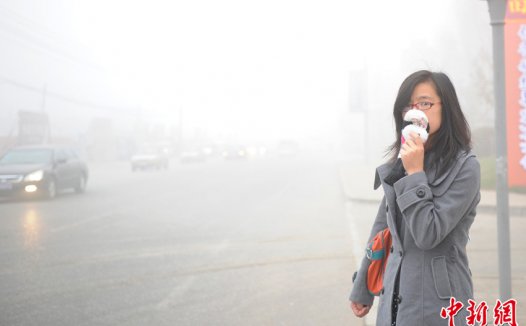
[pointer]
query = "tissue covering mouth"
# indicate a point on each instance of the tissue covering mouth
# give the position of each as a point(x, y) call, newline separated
point(417, 118)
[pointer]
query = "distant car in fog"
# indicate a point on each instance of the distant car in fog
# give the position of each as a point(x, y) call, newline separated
point(149, 158)
point(287, 148)
point(192, 155)
point(42, 171)
point(235, 152)
point(256, 151)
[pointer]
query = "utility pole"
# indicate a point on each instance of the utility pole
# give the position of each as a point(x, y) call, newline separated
point(44, 93)
point(181, 128)
point(47, 135)
point(497, 12)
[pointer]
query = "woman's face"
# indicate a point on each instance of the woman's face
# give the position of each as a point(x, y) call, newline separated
point(425, 94)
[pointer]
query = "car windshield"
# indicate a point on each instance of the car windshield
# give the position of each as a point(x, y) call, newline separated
point(27, 156)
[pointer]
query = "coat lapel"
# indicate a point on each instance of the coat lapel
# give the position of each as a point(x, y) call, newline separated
point(442, 183)
point(381, 172)
point(438, 187)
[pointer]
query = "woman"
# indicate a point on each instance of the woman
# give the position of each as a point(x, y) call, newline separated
point(429, 211)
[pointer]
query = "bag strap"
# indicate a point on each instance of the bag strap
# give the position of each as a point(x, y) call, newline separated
point(376, 254)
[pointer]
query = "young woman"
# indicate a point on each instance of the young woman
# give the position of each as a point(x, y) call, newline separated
point(429, 211)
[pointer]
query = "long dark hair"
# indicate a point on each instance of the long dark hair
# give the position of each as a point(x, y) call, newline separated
point(454, 134)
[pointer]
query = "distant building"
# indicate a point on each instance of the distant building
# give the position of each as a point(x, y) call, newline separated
point(33, 128)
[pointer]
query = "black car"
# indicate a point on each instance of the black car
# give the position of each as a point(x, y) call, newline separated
point(41, 170)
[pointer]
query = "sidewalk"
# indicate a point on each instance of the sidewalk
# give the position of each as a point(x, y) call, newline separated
point(357, 184)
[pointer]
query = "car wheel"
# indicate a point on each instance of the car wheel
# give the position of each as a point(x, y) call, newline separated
point(51, 189)
point(81, 185)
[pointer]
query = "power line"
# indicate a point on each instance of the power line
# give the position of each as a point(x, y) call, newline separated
point(65, 98)
point(35, 26)
point(41, 37)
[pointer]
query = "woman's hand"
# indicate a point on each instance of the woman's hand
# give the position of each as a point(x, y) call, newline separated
point(359, 309)
point(412, 154)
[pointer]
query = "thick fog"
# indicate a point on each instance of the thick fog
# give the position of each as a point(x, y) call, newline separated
point(235, 71)
point(212, 162)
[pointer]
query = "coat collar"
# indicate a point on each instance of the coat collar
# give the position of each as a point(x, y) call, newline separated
point(383, 170)
point(438, 185)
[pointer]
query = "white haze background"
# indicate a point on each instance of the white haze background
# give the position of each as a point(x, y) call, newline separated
point(239, 70)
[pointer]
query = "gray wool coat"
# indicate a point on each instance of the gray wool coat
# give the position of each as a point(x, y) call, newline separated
point(437, 214)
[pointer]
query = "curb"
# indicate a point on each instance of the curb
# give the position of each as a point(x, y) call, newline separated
point(516, 211)
point(368, 196)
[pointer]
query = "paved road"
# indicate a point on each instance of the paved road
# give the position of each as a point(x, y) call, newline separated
point(263, 242)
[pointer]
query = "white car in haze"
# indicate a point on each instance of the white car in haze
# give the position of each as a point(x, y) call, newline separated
point(149, 158)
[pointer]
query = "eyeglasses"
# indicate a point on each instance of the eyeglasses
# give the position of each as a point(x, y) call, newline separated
point(422, 106)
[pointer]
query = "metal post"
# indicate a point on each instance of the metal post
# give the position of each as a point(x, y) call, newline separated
point(47, 136)
point(497, 11)
point(44, 93)
point(181, 135)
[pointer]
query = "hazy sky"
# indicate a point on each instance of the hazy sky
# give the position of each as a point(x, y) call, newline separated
point(247, 68)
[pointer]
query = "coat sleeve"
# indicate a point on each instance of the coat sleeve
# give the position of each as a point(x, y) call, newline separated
point(360, 293)
point(430, 219)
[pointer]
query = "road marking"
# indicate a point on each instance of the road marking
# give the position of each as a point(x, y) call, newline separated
point(358, 252)
point(357, 243)
point(176, 293)
point(123, 210)
point(84, 221)
point(220, 247)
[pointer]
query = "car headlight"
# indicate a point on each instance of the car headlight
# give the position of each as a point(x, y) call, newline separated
point(34, 176)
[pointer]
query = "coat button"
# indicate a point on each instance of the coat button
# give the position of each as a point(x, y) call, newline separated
point(420, 193)
point(382, 292)
point(401, 253)
point(392, 249)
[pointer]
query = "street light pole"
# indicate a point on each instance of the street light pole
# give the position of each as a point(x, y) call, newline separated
point(497, 12)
